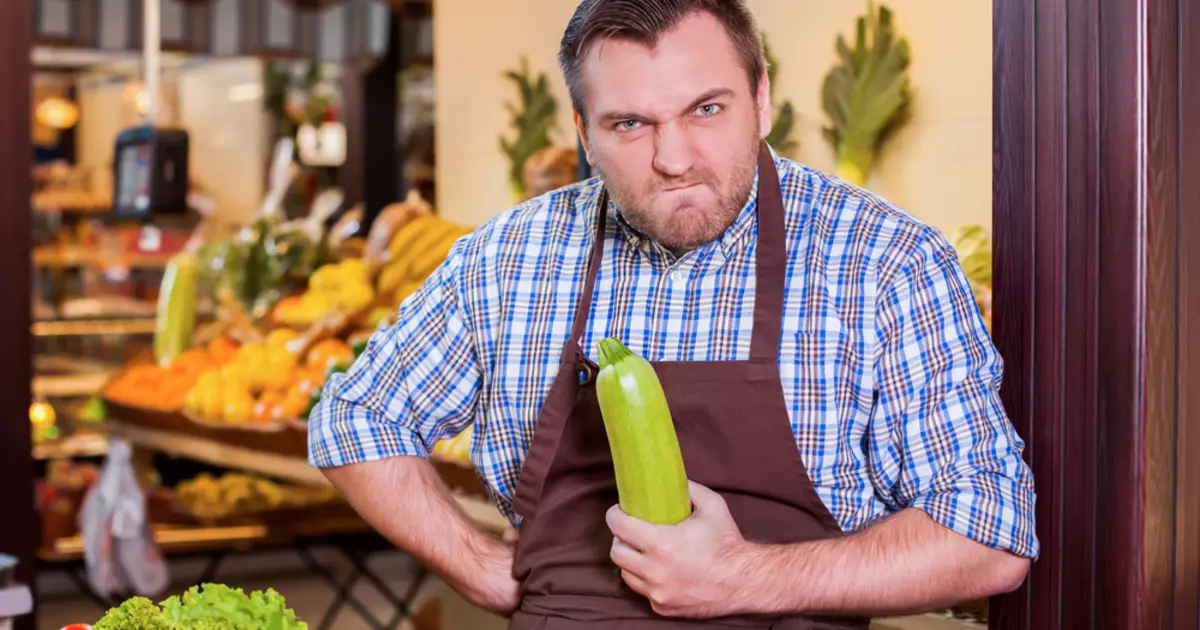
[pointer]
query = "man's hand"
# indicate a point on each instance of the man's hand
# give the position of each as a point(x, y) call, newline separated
point(689, 570)
point(427, 523)
point(495, 588)
point(704, 568)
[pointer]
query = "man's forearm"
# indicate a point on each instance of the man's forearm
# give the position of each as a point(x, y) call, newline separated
point(406, 501)
point(905, 564)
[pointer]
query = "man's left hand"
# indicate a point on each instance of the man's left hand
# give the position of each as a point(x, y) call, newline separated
point(693, 569)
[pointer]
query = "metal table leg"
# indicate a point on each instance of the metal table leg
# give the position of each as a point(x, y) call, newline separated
point(402, 605)
point(209, 574)
point(77, 573)
point(343, 594)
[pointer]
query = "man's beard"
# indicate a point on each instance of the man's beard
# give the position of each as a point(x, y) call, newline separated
point(689, 227)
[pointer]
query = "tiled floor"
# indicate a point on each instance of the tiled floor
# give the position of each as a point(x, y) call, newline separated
point(310, 597)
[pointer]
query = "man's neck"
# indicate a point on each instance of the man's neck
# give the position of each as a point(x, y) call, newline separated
point(679, 252)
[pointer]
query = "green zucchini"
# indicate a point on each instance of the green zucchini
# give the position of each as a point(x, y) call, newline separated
point(651, 479)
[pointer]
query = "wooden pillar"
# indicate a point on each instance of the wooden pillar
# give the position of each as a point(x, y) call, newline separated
point(373, 172)
point(18, 521)
point(1097, 214)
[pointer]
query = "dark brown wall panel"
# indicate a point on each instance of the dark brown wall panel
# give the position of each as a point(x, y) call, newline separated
point(1120, 318)
point(1187, 491)
point(1049, 247)
point(1013, 206)
point(1160, 189)
point(1077, 450)
point(1095, 191)
point(18, 522)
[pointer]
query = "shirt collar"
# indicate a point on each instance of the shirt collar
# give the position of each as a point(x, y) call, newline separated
point(728, 242)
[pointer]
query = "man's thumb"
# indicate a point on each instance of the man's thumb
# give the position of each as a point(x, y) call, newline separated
point(705, 499)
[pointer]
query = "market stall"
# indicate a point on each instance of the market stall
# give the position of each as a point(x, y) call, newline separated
point(295, 301)
point(208, 340)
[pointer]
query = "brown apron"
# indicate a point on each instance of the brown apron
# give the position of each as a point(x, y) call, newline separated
point(736, 438)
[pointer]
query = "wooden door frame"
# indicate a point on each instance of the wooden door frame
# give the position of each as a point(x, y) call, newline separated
point(1095, 262)
point(18, 520)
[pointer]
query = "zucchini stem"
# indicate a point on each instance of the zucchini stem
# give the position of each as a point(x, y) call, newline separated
point(611, 351)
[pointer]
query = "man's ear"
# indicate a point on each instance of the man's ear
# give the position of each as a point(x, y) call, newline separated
point(764, 104)
point(581, 127)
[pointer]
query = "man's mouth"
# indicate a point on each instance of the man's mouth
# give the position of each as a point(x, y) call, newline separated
point(684, 187)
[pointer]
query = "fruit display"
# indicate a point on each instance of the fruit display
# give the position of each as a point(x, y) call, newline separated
point(207, 496)
point(261, 383)
point(261, 264)
point(290, 310)
point(344, 287)
point(647, 461)
point(326, 358)
point(415, 252)
point(457, 448)
point(204, 607)
point(406, 244)
point(164, 387)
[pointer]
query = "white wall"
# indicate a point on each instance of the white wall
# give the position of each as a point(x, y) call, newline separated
point(230, 152)
point(939, 167)
point(474, 44)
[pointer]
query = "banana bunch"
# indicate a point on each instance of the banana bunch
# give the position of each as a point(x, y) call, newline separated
point(415, 251)
point(344, 287)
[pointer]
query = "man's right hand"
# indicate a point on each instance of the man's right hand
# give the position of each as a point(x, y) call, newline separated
point(495, 589)
point(406, 501)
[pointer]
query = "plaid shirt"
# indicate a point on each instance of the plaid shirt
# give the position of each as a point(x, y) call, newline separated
point(888, 370)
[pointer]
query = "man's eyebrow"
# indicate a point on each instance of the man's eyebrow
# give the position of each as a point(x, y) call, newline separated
point(613, 116)
point(708, 96)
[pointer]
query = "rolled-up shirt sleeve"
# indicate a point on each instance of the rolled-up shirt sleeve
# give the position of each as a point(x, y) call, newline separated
point(941, 440)
point(417, 381)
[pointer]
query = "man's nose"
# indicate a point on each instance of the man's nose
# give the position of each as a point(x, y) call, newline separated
point(673, 154)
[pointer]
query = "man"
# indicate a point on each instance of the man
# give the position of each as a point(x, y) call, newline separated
point(832, 383)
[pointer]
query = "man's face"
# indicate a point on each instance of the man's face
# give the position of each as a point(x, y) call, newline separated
point(674, 130)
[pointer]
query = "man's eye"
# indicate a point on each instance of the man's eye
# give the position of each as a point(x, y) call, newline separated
point(628, 125)
point(708, 110)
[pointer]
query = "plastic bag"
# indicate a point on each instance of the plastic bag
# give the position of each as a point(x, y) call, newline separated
point(119, 548)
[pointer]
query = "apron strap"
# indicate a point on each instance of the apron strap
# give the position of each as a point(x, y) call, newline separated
point(583, 310)
point(771, 263)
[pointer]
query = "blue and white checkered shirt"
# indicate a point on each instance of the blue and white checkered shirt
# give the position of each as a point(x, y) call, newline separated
point(905, 413)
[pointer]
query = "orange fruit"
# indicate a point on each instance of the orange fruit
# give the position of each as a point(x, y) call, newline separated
point(328, 353)
point(222, 349)
point(264, 409)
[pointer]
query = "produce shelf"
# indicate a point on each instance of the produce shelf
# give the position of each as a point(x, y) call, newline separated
point(77, 445)
point(69, 385)
point(171, 539)
point(291, 469)
point(67, 328)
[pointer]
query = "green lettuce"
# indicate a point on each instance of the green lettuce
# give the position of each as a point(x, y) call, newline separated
point(136, 613)
point(205, 607)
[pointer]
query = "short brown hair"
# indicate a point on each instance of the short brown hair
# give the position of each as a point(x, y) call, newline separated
point(644, 21)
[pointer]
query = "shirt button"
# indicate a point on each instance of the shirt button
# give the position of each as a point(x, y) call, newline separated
point(678, 278)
